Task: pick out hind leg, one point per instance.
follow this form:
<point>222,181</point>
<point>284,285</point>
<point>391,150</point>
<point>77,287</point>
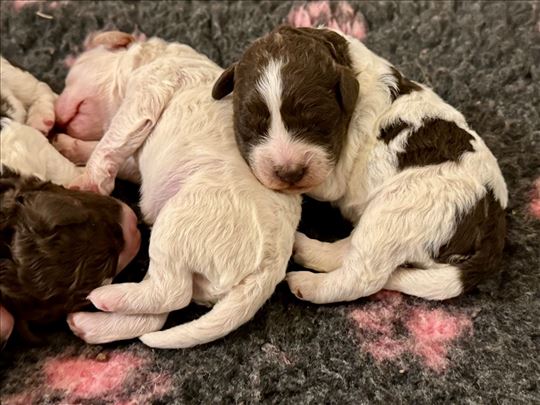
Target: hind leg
<point>404,223</point>
<point>101,327</point>
<point>168,284</point>
<point>320,256</point>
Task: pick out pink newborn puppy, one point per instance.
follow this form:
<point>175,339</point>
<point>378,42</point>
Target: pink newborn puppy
<point>85,107</point>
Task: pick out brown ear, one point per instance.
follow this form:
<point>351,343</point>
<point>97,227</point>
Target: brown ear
<point>109,39</point>
<point>348,89</point>
<point>224,84</point>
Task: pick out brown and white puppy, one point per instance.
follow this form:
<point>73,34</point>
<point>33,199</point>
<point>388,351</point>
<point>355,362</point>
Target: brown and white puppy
<point>57,245</point>
<point>317,112</point>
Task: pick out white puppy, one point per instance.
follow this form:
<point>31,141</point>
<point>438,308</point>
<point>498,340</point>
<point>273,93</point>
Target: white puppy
<point>318,112</point>
<point>27,115</point>
<point>219,236</point>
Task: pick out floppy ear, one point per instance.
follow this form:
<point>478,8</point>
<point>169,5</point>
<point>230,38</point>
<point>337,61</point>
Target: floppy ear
<point>224,84</point>
<point>109,39</point>
<point>347,90</point>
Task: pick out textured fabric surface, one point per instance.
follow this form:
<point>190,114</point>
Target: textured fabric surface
<point>481,56</point>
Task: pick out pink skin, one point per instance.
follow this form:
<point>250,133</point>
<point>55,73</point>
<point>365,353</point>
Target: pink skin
<point>87,104</point>
<point>534,206</point>
<point>6,324</point>
<point>80,110</point>
<point>132,237</point>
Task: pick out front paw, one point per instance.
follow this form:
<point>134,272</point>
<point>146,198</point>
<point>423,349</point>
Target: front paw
<point>91,327</point>
<point>41,119</point>
<point>304,285</point>
<point>70,147</point>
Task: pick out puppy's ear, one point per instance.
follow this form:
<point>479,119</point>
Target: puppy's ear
<point>347,90</point>
<point>224,84</point>
<point>109,39</point>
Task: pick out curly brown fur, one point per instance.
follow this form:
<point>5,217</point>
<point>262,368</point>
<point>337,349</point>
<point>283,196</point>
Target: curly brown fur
<point>56,245</point>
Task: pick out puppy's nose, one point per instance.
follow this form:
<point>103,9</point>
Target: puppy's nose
<point>290,175</point>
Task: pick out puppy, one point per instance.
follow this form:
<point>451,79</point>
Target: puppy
<point>26,115</point>
<point>317,112</point>
<point>219,236</point>
<point>56,245</point>
<point>25,99</point>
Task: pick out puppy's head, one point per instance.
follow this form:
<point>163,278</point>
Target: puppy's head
<point>57,245</point>
<point>294,95</point>
<point>92,96</point>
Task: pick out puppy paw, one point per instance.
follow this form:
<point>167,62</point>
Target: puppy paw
<point>71,148</point>
<point>304,285</point>
<point>79,324</point>
<point>96,327</point>
<point>41,119</point>
<point>307,253</point>
<point>106,298</point>
<point>115,298</point>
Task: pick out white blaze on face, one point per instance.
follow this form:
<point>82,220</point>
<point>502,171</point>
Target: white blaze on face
<point>281,162</point>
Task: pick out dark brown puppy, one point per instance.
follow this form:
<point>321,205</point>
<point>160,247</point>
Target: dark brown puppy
<point>57,245</point>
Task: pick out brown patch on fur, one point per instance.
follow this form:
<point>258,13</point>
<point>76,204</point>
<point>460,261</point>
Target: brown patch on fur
<point>404,85</point>
<point>477,245</point>
<point>389,132</point>
<point>56,246</point>
<point>317,110</point>
<point>435,142</point>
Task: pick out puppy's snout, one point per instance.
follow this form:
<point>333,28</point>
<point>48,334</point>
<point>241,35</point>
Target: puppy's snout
<point>290,175</point>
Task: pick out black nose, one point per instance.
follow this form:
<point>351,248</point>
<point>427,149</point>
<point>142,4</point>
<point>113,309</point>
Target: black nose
<point>290,175</point>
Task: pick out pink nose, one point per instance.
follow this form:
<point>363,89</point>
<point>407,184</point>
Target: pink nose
<point>290,175</point>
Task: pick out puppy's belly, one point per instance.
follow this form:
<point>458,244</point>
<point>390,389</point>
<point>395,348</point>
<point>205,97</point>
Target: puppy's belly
<point>160,182</point>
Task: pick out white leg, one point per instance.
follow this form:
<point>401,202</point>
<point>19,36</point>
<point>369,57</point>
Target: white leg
<point>168,284</point>
<point>37,97</point>
<point>149,91</point>
<point>101,327</point>
<point>41,113</point>
<point>406,221</point>
<point>320,256</point>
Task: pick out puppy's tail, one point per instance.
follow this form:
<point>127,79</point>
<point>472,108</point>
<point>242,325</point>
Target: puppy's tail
<point>233,310</point>
<point>432,284</point>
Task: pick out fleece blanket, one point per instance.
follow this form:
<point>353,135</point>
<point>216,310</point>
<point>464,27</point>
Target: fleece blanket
<point>481,56</point>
